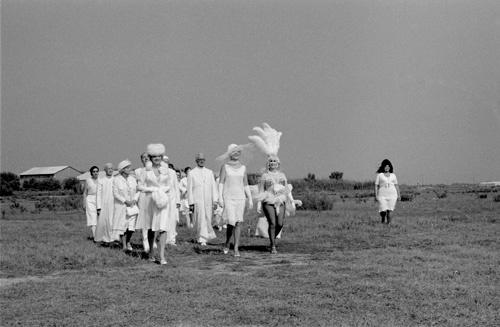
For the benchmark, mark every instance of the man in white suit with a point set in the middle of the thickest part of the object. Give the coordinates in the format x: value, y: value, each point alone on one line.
x: 202, y: 195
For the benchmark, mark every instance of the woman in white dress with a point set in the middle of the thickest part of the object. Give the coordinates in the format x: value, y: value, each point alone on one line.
x: 386, y: 191
x: 90, y: 199
x: 145, y: 209
x: 125, y: 210
x: 162, y: 187
x: 234, y: 191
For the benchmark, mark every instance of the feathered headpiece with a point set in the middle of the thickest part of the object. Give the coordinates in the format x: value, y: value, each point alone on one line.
x: 268, y: 140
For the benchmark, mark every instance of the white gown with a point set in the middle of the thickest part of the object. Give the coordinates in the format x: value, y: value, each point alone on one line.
x: 105, y: 202
x: 202, y: 192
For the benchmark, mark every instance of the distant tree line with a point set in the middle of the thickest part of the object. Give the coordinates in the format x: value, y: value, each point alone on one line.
x: 10, y: 183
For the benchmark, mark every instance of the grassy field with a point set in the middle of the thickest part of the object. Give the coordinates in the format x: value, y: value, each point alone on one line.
x: 437, y: 265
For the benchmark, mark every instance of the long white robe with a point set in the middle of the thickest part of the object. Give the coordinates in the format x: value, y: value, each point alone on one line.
x: 123, y: 190
x: 105, y: 202
x: 203, y: 193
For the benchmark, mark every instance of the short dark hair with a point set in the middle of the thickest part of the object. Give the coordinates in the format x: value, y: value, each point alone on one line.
x: 93, y: 167
x: 186, y: 169
x: 384, y: 163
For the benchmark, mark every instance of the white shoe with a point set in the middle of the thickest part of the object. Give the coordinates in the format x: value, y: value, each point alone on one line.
x: 224, y: 226
x: 155, y: 246
x: 203, y: 243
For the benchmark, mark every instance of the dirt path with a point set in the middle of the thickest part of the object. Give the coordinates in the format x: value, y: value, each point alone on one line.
x: 257, y: 260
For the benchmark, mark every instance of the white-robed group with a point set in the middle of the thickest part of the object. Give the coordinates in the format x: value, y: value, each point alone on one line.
x: 150, y: 198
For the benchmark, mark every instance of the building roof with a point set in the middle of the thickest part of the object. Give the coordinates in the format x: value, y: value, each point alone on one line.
x: 490, y: 183
x: 45, y: 170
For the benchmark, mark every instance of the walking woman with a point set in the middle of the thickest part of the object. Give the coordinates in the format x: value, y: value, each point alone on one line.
x: 386, y: 191
x: 125, y: 210
x: 161, y: 185
x: 273, y: 185
x: 233, y: 193
x: 145, y: 209
x: 90, y: 199
x: 274, y: 192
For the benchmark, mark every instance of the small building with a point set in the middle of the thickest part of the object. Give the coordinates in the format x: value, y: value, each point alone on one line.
x: 493, y: 184
x: 58, y: 172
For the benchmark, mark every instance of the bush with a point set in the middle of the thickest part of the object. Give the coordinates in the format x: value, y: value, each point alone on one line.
x: 316, y: 201
x: 9, y: 183
x: 72, y: 184
x: 482, y: 196
x: 49, y: 184
x: 496, y: 198
x: 406, y: 197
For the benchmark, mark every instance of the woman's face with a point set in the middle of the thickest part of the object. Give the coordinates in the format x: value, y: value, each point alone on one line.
x: 273, y: 164
x: 126, y: 171
x: 156, y: 160
x: 144, y: 158
x: 387, y: 168
x: 235, y: 155
x: 94, y: 173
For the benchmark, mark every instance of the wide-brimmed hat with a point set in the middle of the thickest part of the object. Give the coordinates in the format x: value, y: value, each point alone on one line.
x: 156, y: 149
x: 245, y: 149
x: 123, y: 164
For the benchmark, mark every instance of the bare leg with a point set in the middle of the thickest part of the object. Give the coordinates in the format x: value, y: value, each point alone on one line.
x: 270, y: 213
x: 124, y: 241
x: 280, y: 219
x: 145, y: 241
x: 237, y: 231
x: 163, y: 242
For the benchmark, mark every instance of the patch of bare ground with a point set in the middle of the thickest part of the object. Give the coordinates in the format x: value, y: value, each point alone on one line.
x: 252, y: 261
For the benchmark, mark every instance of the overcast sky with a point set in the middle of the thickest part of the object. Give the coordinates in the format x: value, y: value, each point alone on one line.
x: 349, y: 83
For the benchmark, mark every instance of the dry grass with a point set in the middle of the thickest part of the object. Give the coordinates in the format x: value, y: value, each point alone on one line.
x: 437, y: 265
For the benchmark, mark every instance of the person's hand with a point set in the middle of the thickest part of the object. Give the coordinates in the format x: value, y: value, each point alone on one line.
x: 191, y: 208
x: 129, y: 203
x: 259, y: 207
x: 221, y: 203
x: 250, y: 204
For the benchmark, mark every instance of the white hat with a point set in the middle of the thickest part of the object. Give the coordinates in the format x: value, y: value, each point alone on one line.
x: 123, y: 164
x: 245, y: 149
x: 156, y: 149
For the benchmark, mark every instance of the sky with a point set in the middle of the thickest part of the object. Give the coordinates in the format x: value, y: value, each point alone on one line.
x: 348, y: 83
